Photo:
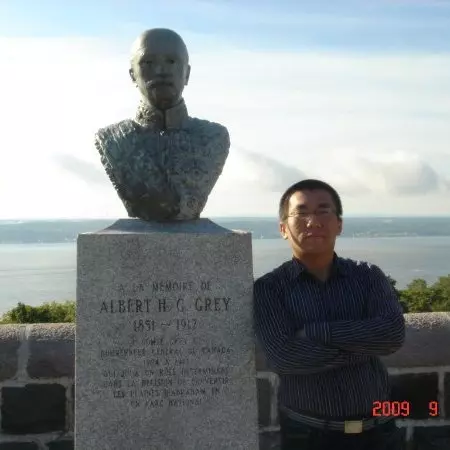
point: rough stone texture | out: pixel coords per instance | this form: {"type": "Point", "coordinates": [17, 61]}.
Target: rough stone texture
{"type": "Point", "coordinates": [447, 394]}
{"type": "Point", "coordinates": [129, 377]}
{"type": "Point", "coordinates": [73, 400]}
{"type": "Point", "coordinates": [261, 360]}
{"type": "Point", "coordinates": [276, 420]}
{"type": "Point", "coordinates": [52, 351]}
{"type": "Point", "coordinates": [9, 344]}
{"type": "Point", "coordinates": [402, 436]}
{"type": "Point", "coordinates": [270, 441]}
{"type": "Point", "coordinates": [18, 446]}
{"type": "Point", "coordinates": [431, 438]}
{"type": "Point", "coordinates": [164, 174]}
{"type": "Point", "coordinates": [417, 389]}
{"type": "Point", "coordinates": [264, 401]}
{"type": "Point", "coordinates": [63, 444]}
{"type": "Point", "coordinates": [425, 333]}
{"type": "Point", "coordinates": [35, 408]}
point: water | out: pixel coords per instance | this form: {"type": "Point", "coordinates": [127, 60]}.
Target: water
{"type": "Point", "coordinates": [403, 258]}
{"type": "Point", "coordinates": [36, 273]}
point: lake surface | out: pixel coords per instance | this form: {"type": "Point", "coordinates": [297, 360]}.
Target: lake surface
{"type": "Point", "coordinates": [36, 273]}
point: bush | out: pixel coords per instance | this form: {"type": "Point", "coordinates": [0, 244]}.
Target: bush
{"type": "Point", "coordinates": [419, 297]}
{"type": "Point", "coordinates": [51, 312]}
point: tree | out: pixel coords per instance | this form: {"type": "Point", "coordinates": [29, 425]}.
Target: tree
{"type": "Point", "coordinates": [419, 297]}
{"type": "Point", "coordinates": [440, 294]}
{"type": "Point", "coordinates": [52, 312]}
{"type": "Point", "coordinates": [403, 303]}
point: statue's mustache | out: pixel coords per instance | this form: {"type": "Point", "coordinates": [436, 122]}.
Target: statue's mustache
{"type": "Point", "coordinates": [160, 82]}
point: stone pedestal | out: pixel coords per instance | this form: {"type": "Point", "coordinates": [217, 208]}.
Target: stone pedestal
{"type": "Point", "coordinates": [164, 338]}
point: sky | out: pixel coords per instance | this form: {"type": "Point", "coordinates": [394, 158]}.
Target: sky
{"type": "Point", "coordinates": [356, 93]}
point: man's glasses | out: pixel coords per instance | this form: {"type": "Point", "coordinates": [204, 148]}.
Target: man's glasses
{"type": "Point", "coordinates": [322, 214]}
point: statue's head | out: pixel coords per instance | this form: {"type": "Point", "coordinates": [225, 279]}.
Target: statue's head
{"type": "Point", "coordinates": [160, 67]}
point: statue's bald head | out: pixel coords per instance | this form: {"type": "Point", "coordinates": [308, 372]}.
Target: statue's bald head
{"type": "Point", "coordinates": [160, 66]}
{"type": "Point", "coordinates": [161, 40]}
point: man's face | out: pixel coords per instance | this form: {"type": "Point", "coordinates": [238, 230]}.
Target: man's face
{"type": "Point", "coordinates": [160, 70]}
{"type": "Point", "coordinates": [312, 224]}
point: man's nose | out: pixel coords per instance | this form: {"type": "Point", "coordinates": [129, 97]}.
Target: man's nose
{"type": "Point", "coordinates": [312, 220]}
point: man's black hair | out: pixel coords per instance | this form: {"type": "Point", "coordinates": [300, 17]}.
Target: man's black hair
{"type": "Point", "coordinates": [308, 185]}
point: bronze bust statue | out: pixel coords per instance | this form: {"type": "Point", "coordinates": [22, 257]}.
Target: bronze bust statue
{"type": "Point", "coordinates": [163, 163]}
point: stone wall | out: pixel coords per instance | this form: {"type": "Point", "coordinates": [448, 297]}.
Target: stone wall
{"type": "Point", "coordinates": [37, 386]}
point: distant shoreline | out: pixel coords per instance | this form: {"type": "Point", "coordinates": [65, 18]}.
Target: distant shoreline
{"type": "Point", "coordinates": [232, 218]}
{"type": "Point", "coordinates": [67, 230]}
{"type": "Point", "coordinates": [74, 241]}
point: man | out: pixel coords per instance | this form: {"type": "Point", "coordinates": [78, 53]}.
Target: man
{"type": "Point", "coordinates": [323, 321]}
{"type": "Point", "coordinates": [163, 163]}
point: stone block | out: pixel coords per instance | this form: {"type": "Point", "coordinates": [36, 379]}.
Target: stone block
{"type": "Point", "coordinates": [18, 446]}
{"type": "Point", "coordinates": [269, 440]}
{"type": "Point", "coordinates": [276, 420]}
{"type": "Point", "coordinates": [425, 333]}
{"type": "Point", "coordinates": [62, 444]}
{"type": "Point", "coordinates": [418, 390]}
{"type": "Point", "coordinates": [262, 364]}
{"type": "Point", "coordinates": [431, 438]}
{"type": "Point", "coordinates": [447, 395]}
{"type": "Point", "coordinates": [9, 343]}
{"type": "Point", "coordinates": [165, 349]}
{"type": "Point", "coordinates": [52, 350]}
{"type": "Point", "coordinates": [72, 405]}
{"type": "Point", "coordinates": [264, 401]}
{"type": "Point", "coordinates": [34, 408]}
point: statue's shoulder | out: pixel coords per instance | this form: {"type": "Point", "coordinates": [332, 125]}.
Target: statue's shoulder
{"type": "Point", "coordinates": [208, 129]}
{"type": "Point", "coordinates": [116, 134]}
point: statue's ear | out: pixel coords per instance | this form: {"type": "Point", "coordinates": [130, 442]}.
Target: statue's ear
{"type": "Point", "coordinates": [131, 72]}
{"type": "Point", "coordinates": [188, 74]}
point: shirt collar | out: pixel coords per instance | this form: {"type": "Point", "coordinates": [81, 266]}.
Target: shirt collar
{"type": "Point", "coordinates": [150, 117]}
{"type": "Point", "coordinates": [338, 267]}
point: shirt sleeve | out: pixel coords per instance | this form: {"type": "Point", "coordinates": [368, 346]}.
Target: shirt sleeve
{"type": "Point", "coordinates": [382, 332]}
{"type": "Point", "coordinates": [286, 353]}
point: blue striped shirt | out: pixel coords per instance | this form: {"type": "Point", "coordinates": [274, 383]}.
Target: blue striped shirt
{"type": "Point", "coordinates": [334, 371]}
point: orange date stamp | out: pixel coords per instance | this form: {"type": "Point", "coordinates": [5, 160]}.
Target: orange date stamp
{"type": "Point", "coordinates": [400, 409]}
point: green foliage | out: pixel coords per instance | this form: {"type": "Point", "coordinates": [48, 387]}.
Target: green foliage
{"type": "Point", "coordinates": [51, 312]}
{"type": "Point", "coordinates": [417, 297]}
{"type": "Point", "coordinates": [402, 301]}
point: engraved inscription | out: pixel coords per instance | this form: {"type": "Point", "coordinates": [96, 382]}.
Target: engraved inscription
{"type": "Point", "coordinates": [170, 363]}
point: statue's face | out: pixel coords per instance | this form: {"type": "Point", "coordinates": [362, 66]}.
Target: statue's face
{"type": "Point", "coordinates": [160, 69]}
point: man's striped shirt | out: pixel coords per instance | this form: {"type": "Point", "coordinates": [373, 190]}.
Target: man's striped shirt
{"type": "Point", "coordinates": [349, 320]}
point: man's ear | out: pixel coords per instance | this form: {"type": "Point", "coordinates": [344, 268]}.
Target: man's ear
{"type": "Point", "coordinates": [131, 72]}
{"type": "Point", "coordinates": [283, 231]}
{"type": "Point", "coordinates": [188, 74]}
{"type": "Point", "coordinates": [339, 227]}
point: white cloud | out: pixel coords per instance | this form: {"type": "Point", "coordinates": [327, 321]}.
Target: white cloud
{"type": "Point", "coordinates": [289, 116]}
{"type": "Point", "coordinates": [249, 170]}
{"type": "Point", "coordinates": [397, 174]}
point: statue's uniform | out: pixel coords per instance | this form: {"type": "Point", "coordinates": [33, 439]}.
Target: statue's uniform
{"type": "Point", "coordinates": [163, 170]}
